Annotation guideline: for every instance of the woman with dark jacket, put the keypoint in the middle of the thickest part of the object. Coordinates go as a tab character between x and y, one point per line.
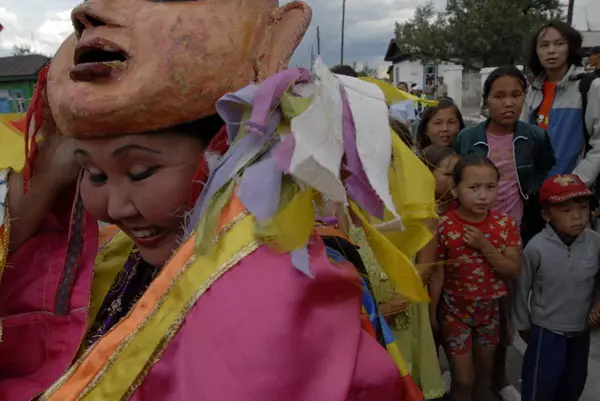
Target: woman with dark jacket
523	155
521	151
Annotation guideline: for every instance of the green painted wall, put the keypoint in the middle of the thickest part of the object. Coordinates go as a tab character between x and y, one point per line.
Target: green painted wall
25	86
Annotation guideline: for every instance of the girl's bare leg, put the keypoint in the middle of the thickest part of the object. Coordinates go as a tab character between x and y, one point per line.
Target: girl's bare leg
483	360
463	376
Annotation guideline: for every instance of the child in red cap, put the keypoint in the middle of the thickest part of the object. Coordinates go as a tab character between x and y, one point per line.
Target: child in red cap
559	270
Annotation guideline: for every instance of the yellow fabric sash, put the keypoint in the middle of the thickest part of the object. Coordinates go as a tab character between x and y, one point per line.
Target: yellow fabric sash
115	366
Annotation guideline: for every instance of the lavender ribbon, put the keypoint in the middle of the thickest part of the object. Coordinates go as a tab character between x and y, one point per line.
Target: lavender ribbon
268	95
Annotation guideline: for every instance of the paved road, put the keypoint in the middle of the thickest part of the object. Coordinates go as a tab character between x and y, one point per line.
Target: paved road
515	358
592	389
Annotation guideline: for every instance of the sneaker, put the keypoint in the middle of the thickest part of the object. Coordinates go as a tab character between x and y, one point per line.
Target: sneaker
509	393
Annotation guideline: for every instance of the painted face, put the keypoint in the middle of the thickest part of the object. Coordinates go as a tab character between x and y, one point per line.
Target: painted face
443	178
505	100
594	61
569	218
403	87
142	184
443	127
140	65
477	190
552	49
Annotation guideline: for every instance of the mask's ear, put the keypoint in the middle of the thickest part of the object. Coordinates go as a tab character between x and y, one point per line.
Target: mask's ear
285	30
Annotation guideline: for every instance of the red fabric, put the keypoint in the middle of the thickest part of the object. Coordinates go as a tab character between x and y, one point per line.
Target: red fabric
366	325
219	146
543	118
410	390
561	188
466	322
20	125
468	273
35	118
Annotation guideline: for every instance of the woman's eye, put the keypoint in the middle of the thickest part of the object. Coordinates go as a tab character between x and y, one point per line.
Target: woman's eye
143	175
96	178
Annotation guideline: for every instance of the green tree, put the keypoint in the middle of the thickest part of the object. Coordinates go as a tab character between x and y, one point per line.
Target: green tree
20	50
365	70
474	33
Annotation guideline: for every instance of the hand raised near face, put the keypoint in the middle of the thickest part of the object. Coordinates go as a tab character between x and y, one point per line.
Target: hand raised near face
474	238
55	158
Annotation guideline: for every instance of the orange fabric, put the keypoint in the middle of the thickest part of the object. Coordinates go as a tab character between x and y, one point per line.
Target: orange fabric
107	345
543	117
106	233
328	231
232	210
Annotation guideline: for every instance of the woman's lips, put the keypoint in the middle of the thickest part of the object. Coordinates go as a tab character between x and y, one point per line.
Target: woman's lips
149	237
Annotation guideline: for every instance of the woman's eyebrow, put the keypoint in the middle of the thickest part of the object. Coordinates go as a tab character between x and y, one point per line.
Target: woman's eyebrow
125	148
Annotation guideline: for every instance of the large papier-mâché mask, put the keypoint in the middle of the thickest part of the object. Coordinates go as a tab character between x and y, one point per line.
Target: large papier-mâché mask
140	65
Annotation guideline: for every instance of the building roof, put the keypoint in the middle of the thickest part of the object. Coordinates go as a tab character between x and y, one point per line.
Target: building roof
22	66
590	39
394	54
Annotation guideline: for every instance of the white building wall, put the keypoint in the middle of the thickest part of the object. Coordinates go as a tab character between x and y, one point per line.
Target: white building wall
413	72
408	71
453	77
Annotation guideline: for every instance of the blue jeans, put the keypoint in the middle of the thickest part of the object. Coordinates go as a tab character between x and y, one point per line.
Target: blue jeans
554	367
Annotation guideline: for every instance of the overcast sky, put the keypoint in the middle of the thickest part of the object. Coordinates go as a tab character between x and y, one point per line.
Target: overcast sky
43	24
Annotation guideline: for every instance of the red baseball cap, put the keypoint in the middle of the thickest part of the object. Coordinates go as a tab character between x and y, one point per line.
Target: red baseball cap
564	187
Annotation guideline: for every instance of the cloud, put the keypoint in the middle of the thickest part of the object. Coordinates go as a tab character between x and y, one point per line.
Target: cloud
43	25
369	26
52	28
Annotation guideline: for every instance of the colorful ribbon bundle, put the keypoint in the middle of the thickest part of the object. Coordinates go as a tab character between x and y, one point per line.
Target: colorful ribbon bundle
297	139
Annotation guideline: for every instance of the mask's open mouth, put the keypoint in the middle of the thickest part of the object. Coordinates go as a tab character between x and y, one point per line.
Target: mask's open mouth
96	60
99	53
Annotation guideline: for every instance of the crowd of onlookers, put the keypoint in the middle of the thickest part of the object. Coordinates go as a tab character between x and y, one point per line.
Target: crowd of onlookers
515	247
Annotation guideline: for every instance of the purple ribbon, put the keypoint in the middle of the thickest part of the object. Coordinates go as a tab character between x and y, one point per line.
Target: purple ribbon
268	95
357	185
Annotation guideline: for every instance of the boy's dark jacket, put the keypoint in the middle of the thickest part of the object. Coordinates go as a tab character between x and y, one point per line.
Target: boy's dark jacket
534	158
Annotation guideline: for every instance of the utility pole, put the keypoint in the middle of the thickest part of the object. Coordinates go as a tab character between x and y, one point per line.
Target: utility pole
312	56
318	41
343	21
570	7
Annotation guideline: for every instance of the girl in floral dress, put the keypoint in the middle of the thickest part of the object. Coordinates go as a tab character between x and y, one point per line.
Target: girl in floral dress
480	247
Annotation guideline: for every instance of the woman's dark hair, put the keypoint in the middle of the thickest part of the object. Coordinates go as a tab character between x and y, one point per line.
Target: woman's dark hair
422	139
571	35
402	83
472	159
344	69
204	129
434	155
504	71
402	131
